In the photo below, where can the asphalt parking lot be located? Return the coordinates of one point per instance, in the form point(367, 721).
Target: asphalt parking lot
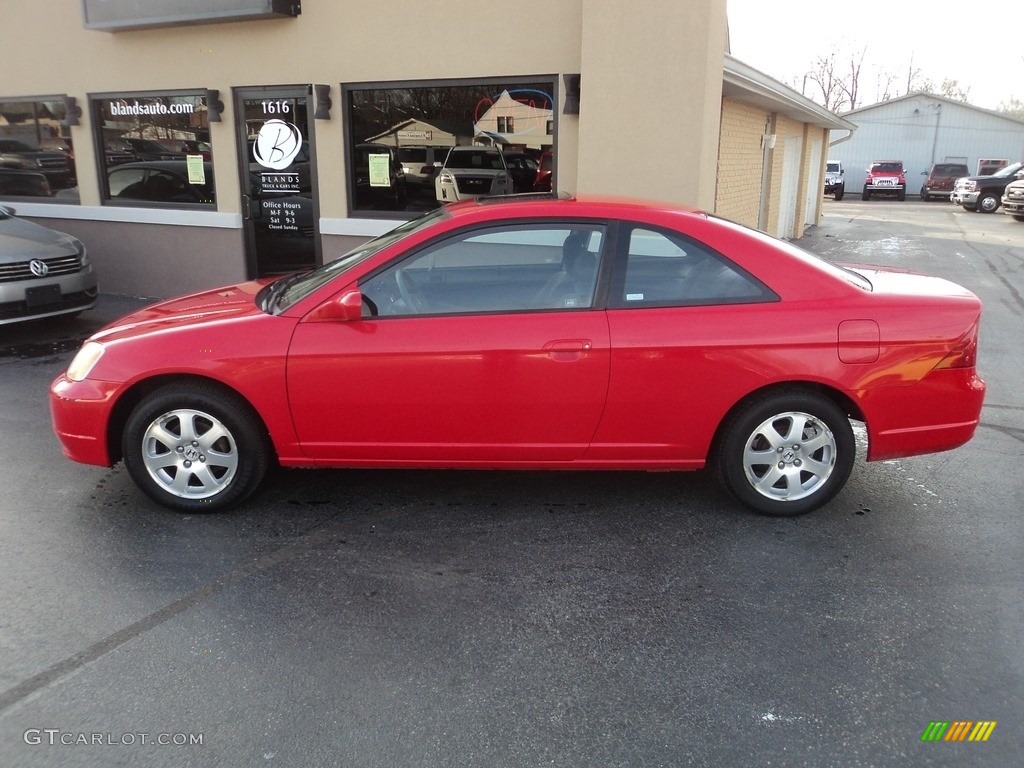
point(378, 618)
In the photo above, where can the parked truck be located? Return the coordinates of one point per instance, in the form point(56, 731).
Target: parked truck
point(984, 193)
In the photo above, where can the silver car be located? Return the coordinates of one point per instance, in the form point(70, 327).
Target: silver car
point(42, 272)
point(470, 172)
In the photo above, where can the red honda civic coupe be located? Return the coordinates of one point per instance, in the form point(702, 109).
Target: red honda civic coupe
point(536, 333)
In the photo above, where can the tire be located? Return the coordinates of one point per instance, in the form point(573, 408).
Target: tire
point(924, 195)
point(901, 195)
point(865, 195)
point(1017, 217)
point(970, 208)
point(839, 194)
point(195, 448)
point(786, 453)
point(988, 203)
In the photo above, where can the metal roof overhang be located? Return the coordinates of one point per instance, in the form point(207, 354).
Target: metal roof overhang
point(744, 83)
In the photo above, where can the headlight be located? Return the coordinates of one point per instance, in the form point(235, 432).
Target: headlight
point(85, 360)
point(447, 178)
point(79, 247)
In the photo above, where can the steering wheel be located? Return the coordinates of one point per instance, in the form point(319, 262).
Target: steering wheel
point(412, 294)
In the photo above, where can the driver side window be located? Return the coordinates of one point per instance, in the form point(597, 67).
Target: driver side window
point(498, 269)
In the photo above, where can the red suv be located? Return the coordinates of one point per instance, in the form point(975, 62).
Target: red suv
point(885, 177)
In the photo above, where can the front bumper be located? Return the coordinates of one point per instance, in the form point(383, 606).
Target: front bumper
point(1013, 203)
point(80, 412)
point(47, 296)
point(962, 197)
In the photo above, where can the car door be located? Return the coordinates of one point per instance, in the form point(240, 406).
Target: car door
point(683, 326)
point(482, 349)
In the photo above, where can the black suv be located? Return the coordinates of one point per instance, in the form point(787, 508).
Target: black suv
point(55, 166)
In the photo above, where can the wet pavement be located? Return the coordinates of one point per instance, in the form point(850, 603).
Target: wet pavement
point(377, 618)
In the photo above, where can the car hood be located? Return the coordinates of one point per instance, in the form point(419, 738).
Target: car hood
point(885, 280)
point(219, 304)
point(21, 240)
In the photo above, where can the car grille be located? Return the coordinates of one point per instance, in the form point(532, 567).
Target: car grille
point(474, 185)
point(1015, 193)
point(60, 265)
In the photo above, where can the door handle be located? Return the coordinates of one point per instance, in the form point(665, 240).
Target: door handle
point(567, 350)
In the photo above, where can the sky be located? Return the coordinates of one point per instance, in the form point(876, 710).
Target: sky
point(976, 43)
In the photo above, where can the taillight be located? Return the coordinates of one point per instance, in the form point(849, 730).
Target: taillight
point(964, 353)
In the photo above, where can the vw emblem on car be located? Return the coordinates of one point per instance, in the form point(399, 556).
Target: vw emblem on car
point(38, 268)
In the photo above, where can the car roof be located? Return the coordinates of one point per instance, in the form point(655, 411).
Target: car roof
point(550, 205)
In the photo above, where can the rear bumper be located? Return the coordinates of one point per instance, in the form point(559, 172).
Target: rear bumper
point(938, 413)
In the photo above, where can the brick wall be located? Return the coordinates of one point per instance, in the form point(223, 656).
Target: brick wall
point(738, 194)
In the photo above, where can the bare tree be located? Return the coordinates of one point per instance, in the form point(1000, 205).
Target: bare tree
point(851, 85)
point(826, 77)
point(1014, 108)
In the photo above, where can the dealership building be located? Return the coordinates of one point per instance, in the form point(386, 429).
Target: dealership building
point(204, 142)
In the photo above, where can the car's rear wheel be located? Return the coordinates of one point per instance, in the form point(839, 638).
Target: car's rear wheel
point(786, 453)
point(988, 203)
point(195, 448)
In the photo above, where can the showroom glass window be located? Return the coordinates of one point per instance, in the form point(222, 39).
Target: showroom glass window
point(154, 149)
point(37, 158)
point(399, 136)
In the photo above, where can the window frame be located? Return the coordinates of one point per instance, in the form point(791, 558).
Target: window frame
point(616, 299)
point(53, 198)
point(604, 255)
point(99, 148)
point(349, 141)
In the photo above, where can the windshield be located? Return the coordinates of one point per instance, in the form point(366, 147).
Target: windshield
point(10, 145)
point(288, 290)
point(486, 160)
point(832, 168)
point(803, 254)
point(888, 167)
point(1008, 170)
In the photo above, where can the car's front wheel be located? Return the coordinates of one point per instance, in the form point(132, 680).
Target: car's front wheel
point(786, 453)
point(865, 195)
point(195, 448)
point(988, 203)
point(839, 194)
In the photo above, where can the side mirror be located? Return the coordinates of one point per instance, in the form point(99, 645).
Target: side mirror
point(344, 308)
point(924, 173)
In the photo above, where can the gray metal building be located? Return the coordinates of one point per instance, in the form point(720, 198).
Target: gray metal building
point(921, 129)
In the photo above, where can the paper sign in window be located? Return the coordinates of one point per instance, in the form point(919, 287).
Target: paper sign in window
point(196, 170)
point(380, 171)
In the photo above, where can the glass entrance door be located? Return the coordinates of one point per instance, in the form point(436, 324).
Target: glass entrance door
point(278, 163)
